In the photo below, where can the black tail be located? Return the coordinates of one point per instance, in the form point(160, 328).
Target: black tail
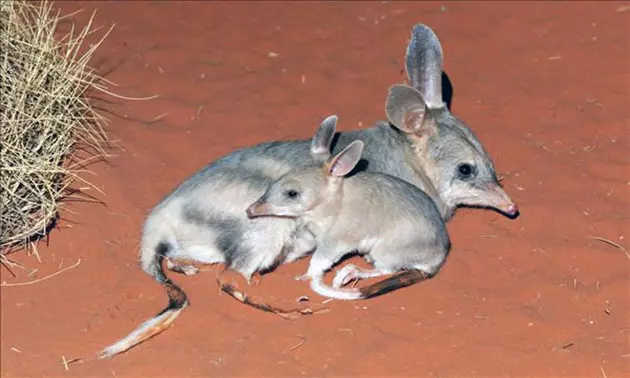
point(395, 282)
point(177, 298)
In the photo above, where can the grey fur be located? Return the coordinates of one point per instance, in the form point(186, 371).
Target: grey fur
point(230, 230)
point(390, 221)
point(204, 218)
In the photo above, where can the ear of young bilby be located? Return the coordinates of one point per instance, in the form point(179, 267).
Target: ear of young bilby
point(345, 161)
point(407, 111)
point(320, 144)
point(424, 64)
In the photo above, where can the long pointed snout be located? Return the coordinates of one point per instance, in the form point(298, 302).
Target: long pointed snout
point(257, 209)
point(497, 198)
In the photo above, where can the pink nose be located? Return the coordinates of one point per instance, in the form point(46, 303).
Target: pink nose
point(256, 209)
point(512, 209)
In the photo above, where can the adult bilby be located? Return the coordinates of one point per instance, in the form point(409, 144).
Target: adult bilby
point(204, 221)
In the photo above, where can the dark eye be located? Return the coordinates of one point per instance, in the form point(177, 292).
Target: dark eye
point(465, 170)
point(293, 194)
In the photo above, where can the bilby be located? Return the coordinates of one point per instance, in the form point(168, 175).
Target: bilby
point(203, 219)
point(393, 223)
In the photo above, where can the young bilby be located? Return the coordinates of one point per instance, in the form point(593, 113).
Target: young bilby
point(393, 223)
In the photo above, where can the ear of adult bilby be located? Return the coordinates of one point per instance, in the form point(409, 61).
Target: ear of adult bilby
point(424, 65)
point(320, 144)
point(406, 110)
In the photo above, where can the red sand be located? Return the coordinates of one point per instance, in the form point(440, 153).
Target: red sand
point(544, 85)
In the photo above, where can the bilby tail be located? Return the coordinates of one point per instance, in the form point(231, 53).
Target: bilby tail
point(395, 282)
point(177, 301)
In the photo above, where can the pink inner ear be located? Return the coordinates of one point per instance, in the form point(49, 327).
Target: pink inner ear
point(344, 162)
point(328, 168)
point(342, 165)
point(413, 120)
point(333, 166)
point(337, 168)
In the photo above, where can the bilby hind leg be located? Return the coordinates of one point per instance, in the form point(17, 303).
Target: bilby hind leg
point(204, 254)
point(182, 260)
point(352, 272)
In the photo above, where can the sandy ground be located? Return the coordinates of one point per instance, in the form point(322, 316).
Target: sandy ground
point(545, 87)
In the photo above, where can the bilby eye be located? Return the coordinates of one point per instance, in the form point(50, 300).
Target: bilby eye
point(465, 170)
point(292, 194)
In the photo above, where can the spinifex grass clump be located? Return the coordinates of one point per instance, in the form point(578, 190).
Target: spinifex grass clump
point(48, 126)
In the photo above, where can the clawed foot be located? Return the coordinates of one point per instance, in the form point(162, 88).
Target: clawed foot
point(348, 274)
point(188, 270)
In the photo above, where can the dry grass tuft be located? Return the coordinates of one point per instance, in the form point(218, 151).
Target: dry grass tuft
point(50, 130)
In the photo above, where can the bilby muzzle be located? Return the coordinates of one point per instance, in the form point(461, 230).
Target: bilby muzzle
point(500, 200)
point(256, 209)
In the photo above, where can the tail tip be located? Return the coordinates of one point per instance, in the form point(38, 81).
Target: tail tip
point(107, 353)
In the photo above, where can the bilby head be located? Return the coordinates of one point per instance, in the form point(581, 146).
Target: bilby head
point(448, 153)
point(302, 190)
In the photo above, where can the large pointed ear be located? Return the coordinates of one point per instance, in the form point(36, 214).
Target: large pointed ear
point(424, 64)
point(320, 144)
point(345, 161)
point(407, 111)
